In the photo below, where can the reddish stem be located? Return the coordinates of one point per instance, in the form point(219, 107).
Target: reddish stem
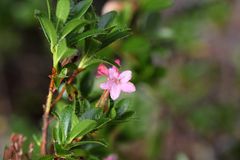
point(47, 107)
point(102, 102)
point(71, 78)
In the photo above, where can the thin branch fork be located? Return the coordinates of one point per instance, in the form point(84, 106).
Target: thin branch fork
point(71, 78)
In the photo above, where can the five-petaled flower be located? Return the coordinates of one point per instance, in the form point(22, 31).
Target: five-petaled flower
point(117, 81)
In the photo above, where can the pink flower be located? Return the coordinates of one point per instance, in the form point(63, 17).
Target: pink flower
point(111, 157)
point(116, 82)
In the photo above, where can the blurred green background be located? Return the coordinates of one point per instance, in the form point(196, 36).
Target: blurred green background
point(184, 55)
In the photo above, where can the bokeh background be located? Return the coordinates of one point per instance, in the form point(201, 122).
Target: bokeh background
point(185, 58)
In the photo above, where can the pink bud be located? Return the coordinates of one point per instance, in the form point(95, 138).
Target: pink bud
point(102, 70)
point(117, 61)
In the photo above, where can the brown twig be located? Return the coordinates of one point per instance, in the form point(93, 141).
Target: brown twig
point(71, 78)
point(47, 108)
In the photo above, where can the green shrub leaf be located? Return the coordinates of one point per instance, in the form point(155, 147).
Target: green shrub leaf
point(114, 36)
point(63, 10)
point(62, 51)
point(66, 120)
point(71, 25)
point(113, 113)
point(92, 45)
point(122, 107)
point(61, 151)
point(57, 134)
point(107, 19)
point(48, 28)
point(87, 34)
point(47, 157)
point(102, 122)
point(81, 8)
point(126, 115)
point(77, 144)
point(93, 113)
point(81, 129)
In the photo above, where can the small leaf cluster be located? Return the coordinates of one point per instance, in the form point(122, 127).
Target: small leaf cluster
point(74, 28)
point(76, 127)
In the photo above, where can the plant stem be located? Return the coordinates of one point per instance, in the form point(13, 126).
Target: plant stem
point(49, 9)
point(47, 108)
point(102, 102)
point(71, 78)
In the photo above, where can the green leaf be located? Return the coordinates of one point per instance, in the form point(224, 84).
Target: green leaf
point(81, 106)
point(113, 113)
point(49, 9)
point(126, 115)
point(66, 121)
point(81, 8)
point(87, 34)
point(107, 19)
point(93, 113)
point(56, 134)
point(122, 111)
point(85, 104)
point(63, 10)
point(63, 73)
point(48, 157)
point(122, 107)
point(60, 151)
point(114, 36)
point(82, 128)
point(77, 152)
point(77, 144)
point(99, 60)
point(102, 122)
point(75, 120)
point(71, 25)
point(62, 52)
point(48, 28)
point(37, 139)
point(92, 45)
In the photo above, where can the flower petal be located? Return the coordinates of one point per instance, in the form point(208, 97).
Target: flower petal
point(106, 85)
point(128, 87)
point(102, 71)
point(125, 76)
point(115, 91)
point(113, 73)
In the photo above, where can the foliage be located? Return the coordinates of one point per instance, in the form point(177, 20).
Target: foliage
point(74, 29)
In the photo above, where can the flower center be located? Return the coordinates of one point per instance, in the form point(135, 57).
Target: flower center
point(117, 81)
